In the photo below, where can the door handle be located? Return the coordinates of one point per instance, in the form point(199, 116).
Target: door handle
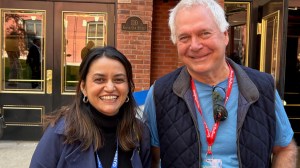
point(283, 102)
point(49, 82)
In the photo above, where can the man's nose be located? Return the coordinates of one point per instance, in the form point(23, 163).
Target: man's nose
point(196, 44)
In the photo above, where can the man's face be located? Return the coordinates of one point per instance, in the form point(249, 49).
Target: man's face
point(200, 44)
point(38, 42)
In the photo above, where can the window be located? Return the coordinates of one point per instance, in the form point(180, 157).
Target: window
point(33, 30)
point(96, 33)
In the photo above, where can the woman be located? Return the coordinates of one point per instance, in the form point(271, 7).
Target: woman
point(100, 128)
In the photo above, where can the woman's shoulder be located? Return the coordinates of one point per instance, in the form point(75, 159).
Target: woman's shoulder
point(52, 136)
point(144, 148)
point(58, 127)
point(142, 123)
point(145, 130)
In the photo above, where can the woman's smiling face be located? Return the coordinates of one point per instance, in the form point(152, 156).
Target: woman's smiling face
point(106, 85)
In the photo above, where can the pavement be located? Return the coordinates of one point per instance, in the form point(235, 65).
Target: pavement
point(16, 154)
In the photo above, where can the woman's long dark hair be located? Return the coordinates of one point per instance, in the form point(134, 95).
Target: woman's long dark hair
point(80, 126)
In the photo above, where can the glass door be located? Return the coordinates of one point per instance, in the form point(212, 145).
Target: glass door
point(238, 16)
point(39, 68)
point(25, 58)
point(273, 31)
point(82, 26)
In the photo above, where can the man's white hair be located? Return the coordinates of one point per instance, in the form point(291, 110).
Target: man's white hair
point(215, 8)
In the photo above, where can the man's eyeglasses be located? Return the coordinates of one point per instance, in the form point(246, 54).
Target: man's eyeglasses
point(218, 96)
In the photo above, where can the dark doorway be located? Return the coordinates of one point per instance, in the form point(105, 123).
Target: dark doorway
point(292, 72)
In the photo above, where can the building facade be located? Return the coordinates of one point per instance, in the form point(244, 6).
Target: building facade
point(67, 29)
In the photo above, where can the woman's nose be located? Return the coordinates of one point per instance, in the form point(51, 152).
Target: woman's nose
point(110, 86)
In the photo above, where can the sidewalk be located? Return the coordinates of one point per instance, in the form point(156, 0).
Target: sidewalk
point(16, 154)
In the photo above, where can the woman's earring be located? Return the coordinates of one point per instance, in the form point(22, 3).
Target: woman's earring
point(85, 99)
point(127, 99)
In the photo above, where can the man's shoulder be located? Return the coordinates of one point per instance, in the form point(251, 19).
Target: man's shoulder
point(248, 70)
point(262, 80)
point(254, 73)
point(172, 74)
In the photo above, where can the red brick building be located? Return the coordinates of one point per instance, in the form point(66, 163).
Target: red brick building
point(152, 52)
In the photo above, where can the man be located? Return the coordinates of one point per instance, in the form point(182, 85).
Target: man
point(34, 61)
point(213, 112)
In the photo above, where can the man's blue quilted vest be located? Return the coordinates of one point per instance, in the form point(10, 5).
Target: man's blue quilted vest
point(177, 125)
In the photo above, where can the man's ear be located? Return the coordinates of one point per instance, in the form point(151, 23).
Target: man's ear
point(226, 37)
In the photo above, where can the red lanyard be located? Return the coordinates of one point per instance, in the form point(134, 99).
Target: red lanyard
point(211, 135)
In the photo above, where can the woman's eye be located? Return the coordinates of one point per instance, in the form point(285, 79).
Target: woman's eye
point(99, 80)
point(120, 80)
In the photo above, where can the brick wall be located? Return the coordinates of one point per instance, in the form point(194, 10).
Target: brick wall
point(151, 53)
point(294, 3)
point(164, 57)
point(136, 45)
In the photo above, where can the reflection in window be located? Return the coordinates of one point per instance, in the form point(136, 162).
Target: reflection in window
point(82, 32)
point(95, 33)
point(269, 45)
point(33, 28)
point(238, 15)
point(22, 50)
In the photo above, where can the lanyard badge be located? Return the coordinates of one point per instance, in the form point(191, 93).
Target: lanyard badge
point(114, 163)
point(220, 115)
point(212, 163)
